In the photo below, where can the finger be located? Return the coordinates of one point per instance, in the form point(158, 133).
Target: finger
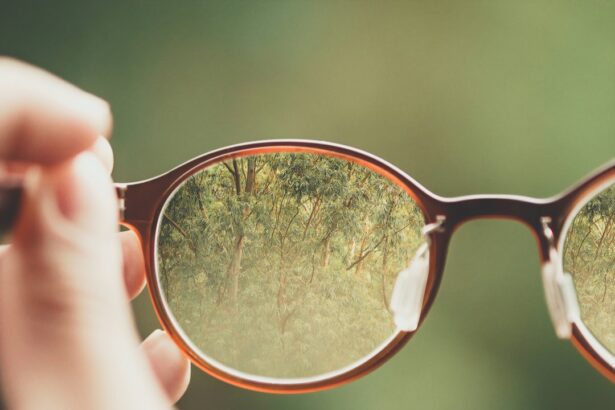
point(134, 265)
point(64, 300)
point(102, 150)
point(67, 224)
point(44, 119)
point(170, 366)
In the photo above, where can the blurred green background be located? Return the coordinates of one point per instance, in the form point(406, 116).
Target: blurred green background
point(467, 97)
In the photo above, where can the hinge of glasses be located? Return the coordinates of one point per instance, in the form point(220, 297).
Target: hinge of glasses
point(120, 190)
point(409, 289)
point(559, 287)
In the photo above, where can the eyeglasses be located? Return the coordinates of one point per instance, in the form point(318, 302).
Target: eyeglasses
point(292, 266)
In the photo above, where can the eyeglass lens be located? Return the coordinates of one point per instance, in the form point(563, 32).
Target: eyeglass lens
point(589, 255)
point(282, 264)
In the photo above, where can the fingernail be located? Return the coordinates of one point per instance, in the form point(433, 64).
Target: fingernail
point(102, 150)
point(162, 344)
point(97, 110)
point(156, 337)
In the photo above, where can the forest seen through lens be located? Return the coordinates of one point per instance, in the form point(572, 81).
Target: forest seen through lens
point(282, 264)
point(589, 255)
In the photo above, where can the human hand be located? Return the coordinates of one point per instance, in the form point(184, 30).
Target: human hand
point(67, 337)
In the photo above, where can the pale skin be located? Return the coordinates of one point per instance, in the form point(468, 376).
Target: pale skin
point(67, 335)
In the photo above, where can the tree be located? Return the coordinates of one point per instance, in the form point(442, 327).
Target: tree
point(281, 264)
point(589, 255)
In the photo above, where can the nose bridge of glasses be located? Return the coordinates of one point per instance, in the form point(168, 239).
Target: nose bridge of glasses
point(527, 210)
point(538, 215)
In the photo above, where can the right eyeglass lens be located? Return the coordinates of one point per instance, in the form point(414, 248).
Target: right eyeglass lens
point(281, 265)
point(589, 256)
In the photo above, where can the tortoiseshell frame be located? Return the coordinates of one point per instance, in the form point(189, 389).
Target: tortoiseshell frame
point(141, 204)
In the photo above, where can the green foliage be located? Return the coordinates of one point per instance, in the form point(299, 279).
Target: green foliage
point(589, 254)
point(282, 264)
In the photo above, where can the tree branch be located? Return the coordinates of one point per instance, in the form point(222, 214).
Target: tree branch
point(183, 233)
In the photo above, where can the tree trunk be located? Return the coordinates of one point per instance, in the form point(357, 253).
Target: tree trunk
point(385, 259)
point(327, 253)
point(352, 244)
point(251, 176)
point(234, 268)
point(607, 227)
point(236, 177)
point(359, 266)
point(313, 212)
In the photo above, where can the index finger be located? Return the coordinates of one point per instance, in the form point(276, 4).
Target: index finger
point(44, 119)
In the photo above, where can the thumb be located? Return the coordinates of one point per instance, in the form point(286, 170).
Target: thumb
point(65, 248)
point(65, 318)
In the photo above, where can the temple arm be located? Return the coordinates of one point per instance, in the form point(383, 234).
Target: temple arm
point(11, 195)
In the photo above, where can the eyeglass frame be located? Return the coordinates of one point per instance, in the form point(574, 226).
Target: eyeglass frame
point(142, 203)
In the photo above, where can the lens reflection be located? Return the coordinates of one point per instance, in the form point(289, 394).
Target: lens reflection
point(589, 255)
point(282, 264)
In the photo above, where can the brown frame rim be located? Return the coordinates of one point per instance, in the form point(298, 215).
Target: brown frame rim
point(265, 384)
point(457, 210)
